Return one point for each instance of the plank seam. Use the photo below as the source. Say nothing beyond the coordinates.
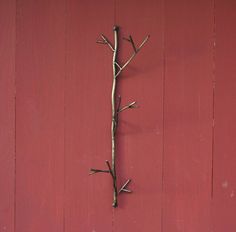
(163, 112)
(213, 96)
(64, 113)
(15, 71)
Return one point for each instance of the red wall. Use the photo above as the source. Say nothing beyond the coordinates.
(178, 147)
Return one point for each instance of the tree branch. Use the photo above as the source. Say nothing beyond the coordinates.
(129, 106)
(93, 171)
(110, 170)
(130, 39)
(123, 188)
(116, 106)
(105, 41)
(136, 51)
(118, 65)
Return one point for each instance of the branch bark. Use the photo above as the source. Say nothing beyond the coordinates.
(124, 189)
(135, 52)
(93, 171)
(105, 41)
(129, 106)
(114, 116)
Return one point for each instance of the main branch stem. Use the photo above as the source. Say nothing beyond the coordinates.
(116, 109)
(114, 116)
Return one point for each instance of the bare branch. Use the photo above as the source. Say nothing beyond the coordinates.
(93, 171)
(100, 42)
(127, 39)
(132, 42)
(105, 41)
(134, 54)
(116, 106)
(120, 68)
(129, 106)
(118, 73)
(136, 50)
(144, 41)
(130, 39)
(110, 170)
(118, 65)
(123, 188)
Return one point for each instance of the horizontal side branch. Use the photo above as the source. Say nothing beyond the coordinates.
(93, 171)
(129, 106)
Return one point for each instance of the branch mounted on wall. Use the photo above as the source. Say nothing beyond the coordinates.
(116, 107)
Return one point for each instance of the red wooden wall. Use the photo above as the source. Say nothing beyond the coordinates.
(178, 147)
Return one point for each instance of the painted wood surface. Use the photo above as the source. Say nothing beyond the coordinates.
(87, 116)
(7, 115)
(40, 75)
(188, 115)
(224, 199)
(55, 116)
(141, 130)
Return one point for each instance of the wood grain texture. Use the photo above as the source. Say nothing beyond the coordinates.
(40, 77)
(88, 116)
(140, 133)
(224, 201)
(7, 114)
(188, 115)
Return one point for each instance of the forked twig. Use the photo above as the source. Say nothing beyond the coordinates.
(135, 52)
(130, 39)
(124, 189)
(105, 41)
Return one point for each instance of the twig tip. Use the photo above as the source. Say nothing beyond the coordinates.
(115, 28)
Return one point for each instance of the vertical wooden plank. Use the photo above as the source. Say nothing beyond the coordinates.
(88, 116)
(140, 133)
(224, 207)
(7, 114)
(188, 115)
(40, 68)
